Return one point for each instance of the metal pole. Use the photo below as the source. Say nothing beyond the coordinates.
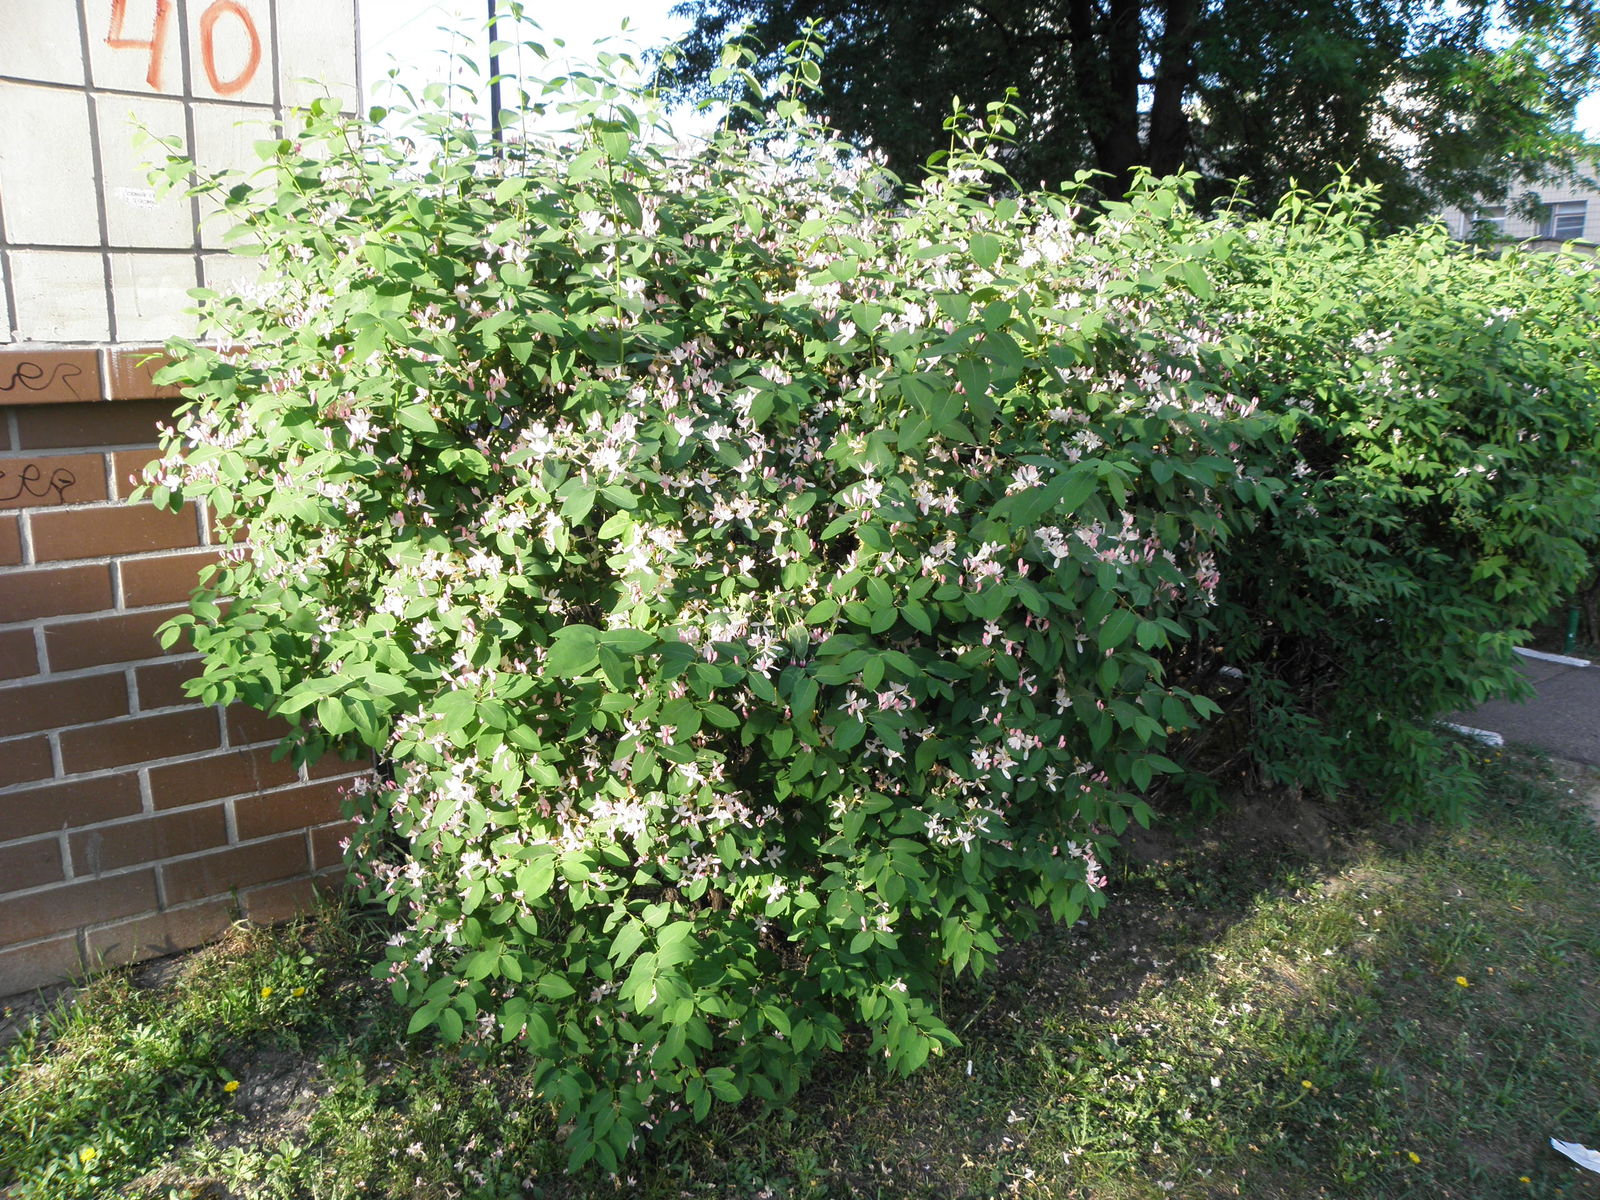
(494, 82)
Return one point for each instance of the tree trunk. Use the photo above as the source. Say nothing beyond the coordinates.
(1122, 152)
(1169, 124)
(1106, 44)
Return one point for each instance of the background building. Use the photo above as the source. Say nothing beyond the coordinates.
(133, 821)
(1569, 212)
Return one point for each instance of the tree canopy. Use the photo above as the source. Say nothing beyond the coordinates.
(1438, 100)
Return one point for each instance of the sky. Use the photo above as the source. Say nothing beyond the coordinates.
(414, 33)
(408, 31)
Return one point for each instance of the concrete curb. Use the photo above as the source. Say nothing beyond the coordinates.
(1543, 656)
(1487, 736)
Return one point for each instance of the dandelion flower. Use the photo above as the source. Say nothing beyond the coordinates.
(265, 992)
(299, 991)
(1523, 1179)
(1413, 1156)
(1462, 980)
(1305, 1083)
(87, 1154)
(231, 1086)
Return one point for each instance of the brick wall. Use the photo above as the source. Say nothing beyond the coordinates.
(133, 822)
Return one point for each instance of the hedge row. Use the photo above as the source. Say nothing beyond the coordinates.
(770, 593)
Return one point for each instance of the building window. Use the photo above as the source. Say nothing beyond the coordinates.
(1486, 223)
(1564, 220)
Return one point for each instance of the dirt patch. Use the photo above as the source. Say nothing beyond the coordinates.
(1582, 782)
(279, 1091)
(18, 1010)
(1281, 820)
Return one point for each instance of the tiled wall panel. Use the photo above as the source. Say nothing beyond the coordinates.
(80, 86)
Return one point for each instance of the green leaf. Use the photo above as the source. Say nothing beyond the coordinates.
(629, 641)
(628, 940)
(333, 718)
(416, 417)
(985, 250)
(536, 878)
(574, 651)
(1116, 629)
(456, 707)
(556, 987)
(450, 1025)
(822, 611)
(719, 715)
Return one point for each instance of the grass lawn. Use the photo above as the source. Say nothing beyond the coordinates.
(1289, 1001)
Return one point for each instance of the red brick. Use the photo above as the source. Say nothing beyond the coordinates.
(215, 874)
(280, 901)
(232, 773)
(127, 469)
(49, 376)
(158, 933)
(138, 739)
(54, 806)
(167, 579)
(54, 591)
(294, 808)
(23, 968)
(18, 656)
(100, 641)
(247, 726)
(326, 853)
(26, 865)
(24, 760)
(59, 909)
(118, 529)
(40, 481)
(153, 838)
(33, 707)
(129, 374)
(10, 540)
(160, 685)
(92, 426)
(331, 766)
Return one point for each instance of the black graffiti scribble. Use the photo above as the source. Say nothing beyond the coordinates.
(29, 374)
(31, 481)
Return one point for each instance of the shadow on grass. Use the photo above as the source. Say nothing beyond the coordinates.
(1269, 1007)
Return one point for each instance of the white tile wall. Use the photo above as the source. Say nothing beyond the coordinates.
(60, 295)
(47, 167)
(154, 64)
(216, 56)
(230, 49)
(317, 39)
(230, 274)
(136, 215)
(150, 292)
(225, 136)
(40, 41)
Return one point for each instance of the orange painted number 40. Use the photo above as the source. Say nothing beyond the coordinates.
(116, 38)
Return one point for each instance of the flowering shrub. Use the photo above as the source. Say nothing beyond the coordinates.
(756, 585)
(767, 592)
(1445, 473)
